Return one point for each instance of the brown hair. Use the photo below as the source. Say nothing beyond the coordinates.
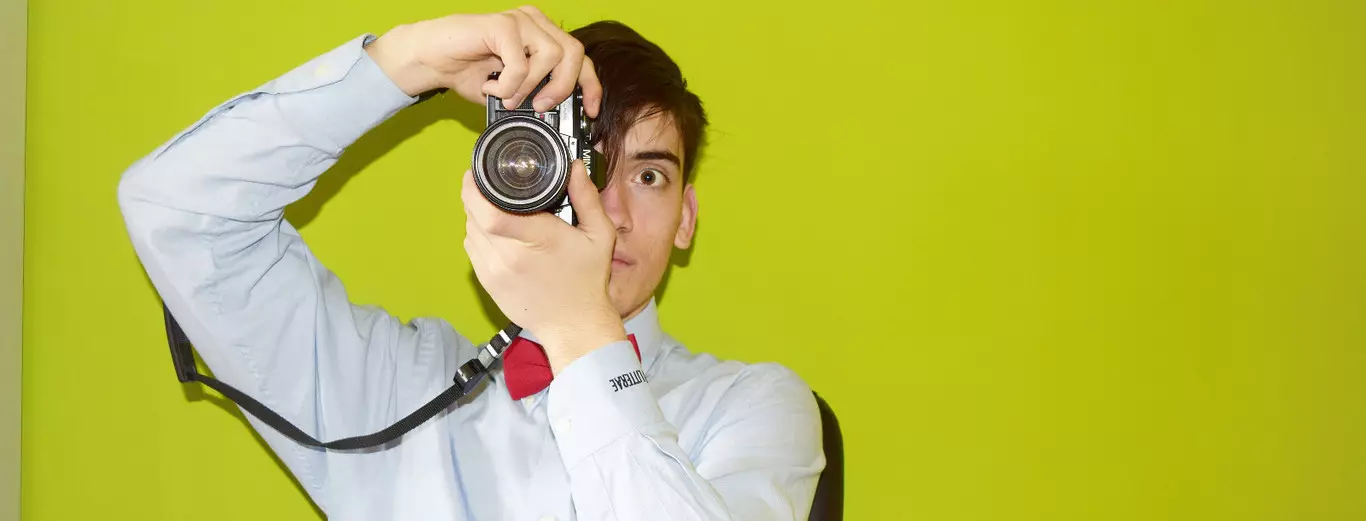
(639, 80)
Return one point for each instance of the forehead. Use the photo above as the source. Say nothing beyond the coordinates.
(656, 132)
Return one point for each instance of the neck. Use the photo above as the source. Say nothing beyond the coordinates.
(626, 317)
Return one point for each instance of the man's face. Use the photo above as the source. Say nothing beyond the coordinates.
(652, 209)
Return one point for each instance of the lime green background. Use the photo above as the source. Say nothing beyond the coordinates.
(1047, 260)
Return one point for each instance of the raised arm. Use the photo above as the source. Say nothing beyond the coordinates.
(204, 212)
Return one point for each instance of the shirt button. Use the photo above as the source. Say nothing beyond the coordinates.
(564, 425)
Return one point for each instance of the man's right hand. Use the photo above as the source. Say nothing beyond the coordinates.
(459, 52)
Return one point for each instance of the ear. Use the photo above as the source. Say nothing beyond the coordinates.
(688, 223)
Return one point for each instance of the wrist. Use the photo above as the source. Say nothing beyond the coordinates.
(588, 332)
(396, 55)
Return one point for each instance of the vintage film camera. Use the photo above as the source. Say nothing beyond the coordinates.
(521, 160)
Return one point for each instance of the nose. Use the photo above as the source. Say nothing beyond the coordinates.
(615, 202)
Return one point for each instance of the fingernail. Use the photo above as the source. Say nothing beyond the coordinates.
(542, 102)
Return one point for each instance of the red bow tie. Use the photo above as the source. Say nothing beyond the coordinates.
(527, 370)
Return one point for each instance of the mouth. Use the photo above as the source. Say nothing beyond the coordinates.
(621, 261)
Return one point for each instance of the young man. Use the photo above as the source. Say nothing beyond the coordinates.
(695, 438)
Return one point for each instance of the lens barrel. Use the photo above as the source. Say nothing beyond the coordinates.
(520, 165)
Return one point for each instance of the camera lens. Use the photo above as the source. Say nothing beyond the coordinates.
(519, 162)
(520, 165)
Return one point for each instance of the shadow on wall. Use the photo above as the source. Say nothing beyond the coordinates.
(379, 141)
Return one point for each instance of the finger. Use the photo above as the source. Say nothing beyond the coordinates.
(545, 53)
(480, 251)
(477, 244)
(478, 209)
(592, 89)
(507, 44)
(567, 69)
(587, 203)
(497, 224)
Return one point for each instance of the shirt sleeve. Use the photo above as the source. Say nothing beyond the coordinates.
(760, 458)
(204, 212)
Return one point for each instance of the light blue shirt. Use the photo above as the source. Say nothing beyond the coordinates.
(701, 439)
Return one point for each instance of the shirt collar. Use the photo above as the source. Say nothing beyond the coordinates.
(649, 336)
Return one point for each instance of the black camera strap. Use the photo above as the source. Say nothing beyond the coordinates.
(467, 377)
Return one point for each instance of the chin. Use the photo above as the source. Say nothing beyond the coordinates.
(624, 306)
(626, 300)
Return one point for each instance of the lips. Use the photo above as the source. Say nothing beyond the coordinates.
(621, 260)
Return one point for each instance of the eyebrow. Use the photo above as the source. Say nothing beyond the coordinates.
(658, 155)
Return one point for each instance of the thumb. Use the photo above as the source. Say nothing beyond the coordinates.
(587, 203)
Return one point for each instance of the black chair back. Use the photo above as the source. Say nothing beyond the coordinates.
(829, 502)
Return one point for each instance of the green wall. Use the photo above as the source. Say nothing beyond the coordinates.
(1048, 260)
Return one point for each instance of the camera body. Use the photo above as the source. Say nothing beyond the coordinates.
(521, 162)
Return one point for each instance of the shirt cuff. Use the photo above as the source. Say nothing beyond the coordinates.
(348, 94)
(598, 399)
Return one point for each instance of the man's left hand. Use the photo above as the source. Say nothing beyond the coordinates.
(545, 275)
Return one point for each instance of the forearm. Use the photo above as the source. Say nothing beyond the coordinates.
(591, 327)
(397, 53)
(253, 155)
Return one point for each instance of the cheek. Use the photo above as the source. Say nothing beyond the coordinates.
(651, 236)
(655, 229)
